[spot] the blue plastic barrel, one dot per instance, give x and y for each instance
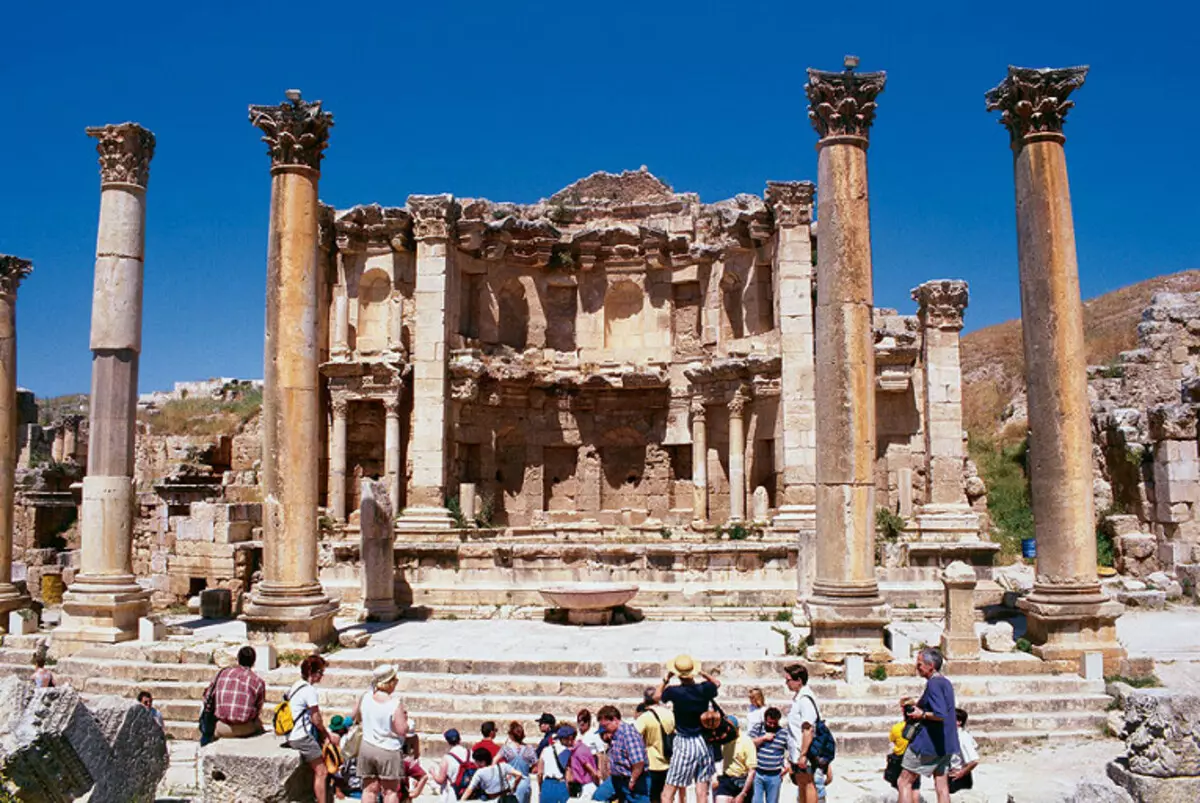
(1029, 547)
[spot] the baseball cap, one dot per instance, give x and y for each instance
(546, 719)
(566, 732)
(452, 735)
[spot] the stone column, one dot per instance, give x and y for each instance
(289, 605)
(391, 447)
(337, 460)
(12, 271)
(70, 437)
(105, 601)
(946, 515)
(737, 455)
(1066, 612)
(699, 463)
(791, 202)
(378, 553)
(433, 229)
(341, 314)
(846, 611)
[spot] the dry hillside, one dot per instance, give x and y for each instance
(993, 361)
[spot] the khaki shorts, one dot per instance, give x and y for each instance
(376, 762)
(925, 765)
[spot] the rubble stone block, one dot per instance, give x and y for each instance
(253, 770)
(216, 603)
(1098, 792)
(1172, 422)
(354, 637)
(1163, 732)
(22, 623)
(998, 637)
(1151, 788)
(51, 746)
(1189, 578)
(138, 751)
(1150, 600)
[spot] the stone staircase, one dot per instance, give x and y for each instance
(1008, 700)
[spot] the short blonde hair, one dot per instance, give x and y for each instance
(757, 698)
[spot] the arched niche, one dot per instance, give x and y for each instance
(374, 290)
(623, 304)
(513, 309)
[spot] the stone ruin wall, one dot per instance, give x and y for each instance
(1147, 470)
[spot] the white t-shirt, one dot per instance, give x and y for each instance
(302, 697)
(968, 751)
(377, 722)
(593, 741)
(755, 717)
(550, 767)
(803, 711)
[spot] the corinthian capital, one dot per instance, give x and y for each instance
(940, 303)
(125, 153)
(433, 216)
(12, 271)
(842, 104)
(1033, 103)
(791, 202)
(296, 131)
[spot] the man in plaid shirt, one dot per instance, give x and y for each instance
(238, 694)
(627, 757)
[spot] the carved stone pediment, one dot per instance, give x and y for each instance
(373, 227)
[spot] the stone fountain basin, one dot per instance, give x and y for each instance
(589, 596)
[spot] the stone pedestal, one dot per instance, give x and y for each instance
(12, 271)
(289, 606)
(699, 463)
(958, 636)
(846, 610)
(1067, 613)
(378, 553)
(105, 602)
(434, 217)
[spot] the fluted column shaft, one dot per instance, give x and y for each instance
(699, 462)
(391, 449)
(737, 457)
(337, 461)
(12, 271)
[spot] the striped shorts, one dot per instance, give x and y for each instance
(691, 761)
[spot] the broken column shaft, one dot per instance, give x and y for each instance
(12, 271)
(1067, 614)
(289, 604)
(846, 611)
(105, 601)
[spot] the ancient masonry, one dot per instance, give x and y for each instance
(617, 383)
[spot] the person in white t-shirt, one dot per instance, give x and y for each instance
(309, 730)
(802, 726)
(384, 725)
(964, 762)
(446, 771)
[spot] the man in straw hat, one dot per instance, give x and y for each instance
(691, 759)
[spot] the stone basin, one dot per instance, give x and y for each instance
(589, 603)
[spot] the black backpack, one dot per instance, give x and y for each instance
(668, 739)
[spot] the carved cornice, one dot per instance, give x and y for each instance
(12, 271)
(125, 153)
(296, 131)
(527, 243)
(373, 227)
(626, 244)
(940, 303)
(791, 202)
(1033, 103)
(433, 216)
(842, 104)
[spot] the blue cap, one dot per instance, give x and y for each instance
(452, 735)
(566, 732)
(733, 720)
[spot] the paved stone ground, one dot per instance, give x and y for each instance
(1028, 774)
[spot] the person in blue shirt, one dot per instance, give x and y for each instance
(936, 741)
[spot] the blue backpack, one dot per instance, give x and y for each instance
(823, 748)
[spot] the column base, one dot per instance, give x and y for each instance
(100, 610)
(946, 523)
(425, 518)
(11, 599)
(848, 625)
(381, 610)
(1063, 624)
(297, 616)
(796, 517)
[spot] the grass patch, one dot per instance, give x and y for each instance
(205, 417)
(879, 672)
(888, 523)
(1003, 468)
(1147, 682)
(1024, 645)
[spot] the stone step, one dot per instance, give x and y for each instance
(443, 593)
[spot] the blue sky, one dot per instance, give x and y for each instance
(512, 101)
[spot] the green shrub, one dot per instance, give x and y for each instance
(791, 645)
(888, 523)
(455, 508)
(784, 615)
(1003, 470)
(1024, 645)
(879, 672)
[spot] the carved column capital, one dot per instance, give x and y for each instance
(791, 202)
(391, 407)
(12, 271)
(737, 405)
(1033, 103)
(125, 153)
(698, 410)
(433, 216)
(841, 105)
(940, 303)
(340, 405)
(296, 131)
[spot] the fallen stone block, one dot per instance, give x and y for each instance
(354, 637)
(256, 770)
(51, 746)
(1161, 581)
(1151, 788)
(138, 751)
(216, 603)
(1163, 733)
(1150, 600)
(999, 637)
(1098, 792)
(1189, 578)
